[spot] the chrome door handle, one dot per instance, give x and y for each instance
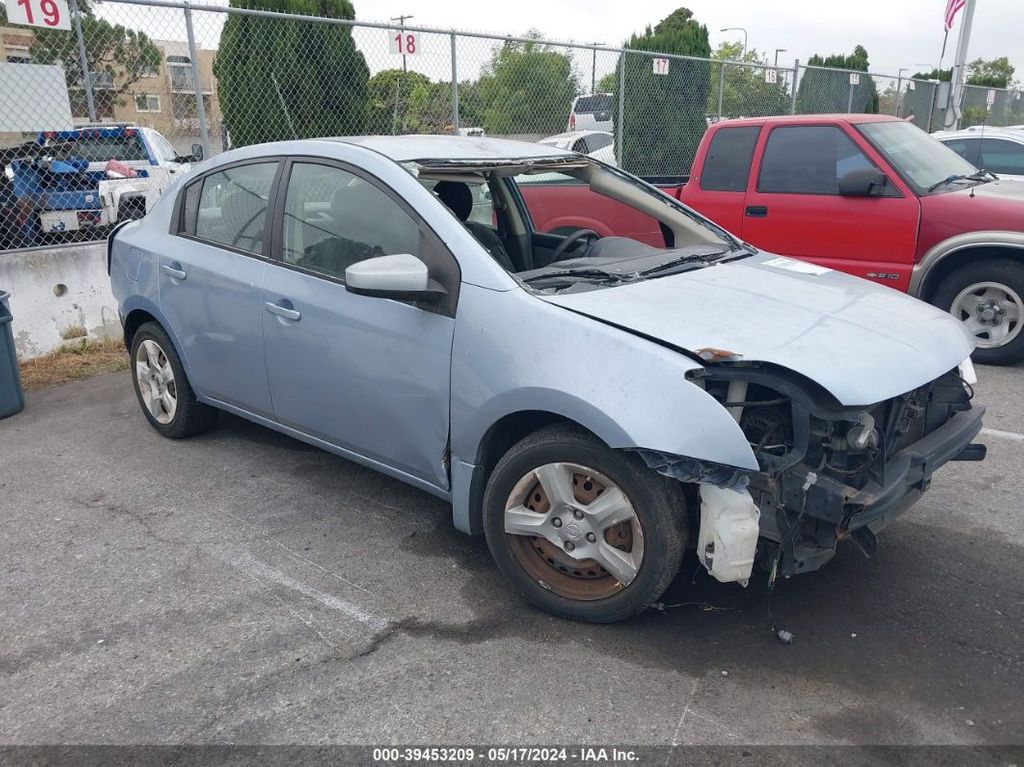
(177, 274)
(283, 311)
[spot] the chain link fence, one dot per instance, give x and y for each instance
(98, 120)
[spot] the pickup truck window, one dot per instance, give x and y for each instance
(808, 159)
(727, 164)
(106, 148)
(922, 161)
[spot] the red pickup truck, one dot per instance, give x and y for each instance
(865, 194)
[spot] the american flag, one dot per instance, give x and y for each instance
(952, 8)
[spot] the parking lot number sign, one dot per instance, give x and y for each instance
(854, 78)
(771, 76)
(990, 97)
(49, 14)
(660, 66)
(402, 42)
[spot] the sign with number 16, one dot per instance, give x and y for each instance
(49, 14)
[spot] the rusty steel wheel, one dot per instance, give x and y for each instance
(575, 531)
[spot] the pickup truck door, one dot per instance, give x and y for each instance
(368, 375)
(793, 206)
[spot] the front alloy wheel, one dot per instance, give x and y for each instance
(574, 529)
(991, 312)
(581, 530)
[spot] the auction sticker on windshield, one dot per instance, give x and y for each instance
(801, 267)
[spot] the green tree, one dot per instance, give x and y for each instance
(280, 79)
(824, 88)
(746, 91)
(116, 56)
(471, 105)
(527, 88)
(407, 102)
(995, 73)
(663, 118)
(608, 83)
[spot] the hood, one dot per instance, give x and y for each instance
(862, 342)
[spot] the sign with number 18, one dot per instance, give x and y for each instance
(48, 14)
(402, 42)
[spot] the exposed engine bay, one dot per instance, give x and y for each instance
(827, 472)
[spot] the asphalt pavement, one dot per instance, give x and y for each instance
(242, 587)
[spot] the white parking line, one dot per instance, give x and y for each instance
(1010, 435)
(246, 562)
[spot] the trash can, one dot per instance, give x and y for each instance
(12, 398)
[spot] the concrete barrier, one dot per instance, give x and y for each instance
(58, 293)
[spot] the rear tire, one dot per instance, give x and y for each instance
(988, 296)
(163, 390)
(624, 514)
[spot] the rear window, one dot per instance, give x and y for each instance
(590, 104)
(727, 164)
(104, 148)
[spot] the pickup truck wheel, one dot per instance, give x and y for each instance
(988, 297)
(162, 388)
(583, 531)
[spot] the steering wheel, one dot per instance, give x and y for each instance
(571, 240)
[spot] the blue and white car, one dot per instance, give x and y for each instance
(593, 406)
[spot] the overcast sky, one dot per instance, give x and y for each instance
(896, 33)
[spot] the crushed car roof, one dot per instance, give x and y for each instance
(460, 148)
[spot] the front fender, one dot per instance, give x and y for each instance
(513, 353)
(920, 285)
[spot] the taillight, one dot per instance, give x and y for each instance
(572, 121)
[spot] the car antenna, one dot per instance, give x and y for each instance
(981, 144)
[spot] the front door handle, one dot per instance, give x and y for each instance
(174, 270)
(283, 311)
(757, 211)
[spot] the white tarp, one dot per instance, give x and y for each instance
(33, 97)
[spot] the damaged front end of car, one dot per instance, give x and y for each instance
(828, 472)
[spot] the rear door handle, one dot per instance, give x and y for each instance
(174, 270)
(283, 311)
(757, 211)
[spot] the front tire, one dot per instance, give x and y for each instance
(988, 297)
(583, 531)
(163, 390)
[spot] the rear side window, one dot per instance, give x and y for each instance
(727, 163)
(808, 160)
(1001, 156)
(965, 147)
(232, 206)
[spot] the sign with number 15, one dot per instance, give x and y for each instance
(49, 14)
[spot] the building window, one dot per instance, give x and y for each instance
(179, 69)
(147, 102)
(17, 54)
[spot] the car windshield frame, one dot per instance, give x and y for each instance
(890, 137)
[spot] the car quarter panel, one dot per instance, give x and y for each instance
(515, 353)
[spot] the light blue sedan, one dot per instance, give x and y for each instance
(593, 405)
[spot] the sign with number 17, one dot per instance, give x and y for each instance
(49, 14)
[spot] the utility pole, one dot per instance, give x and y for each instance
(405, 70)
(952, 118)
(777, 52)
(593, 68)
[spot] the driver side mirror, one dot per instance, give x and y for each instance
(867, 182)
(402, 277)
(197, 152)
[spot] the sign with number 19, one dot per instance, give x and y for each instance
(49, 14)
